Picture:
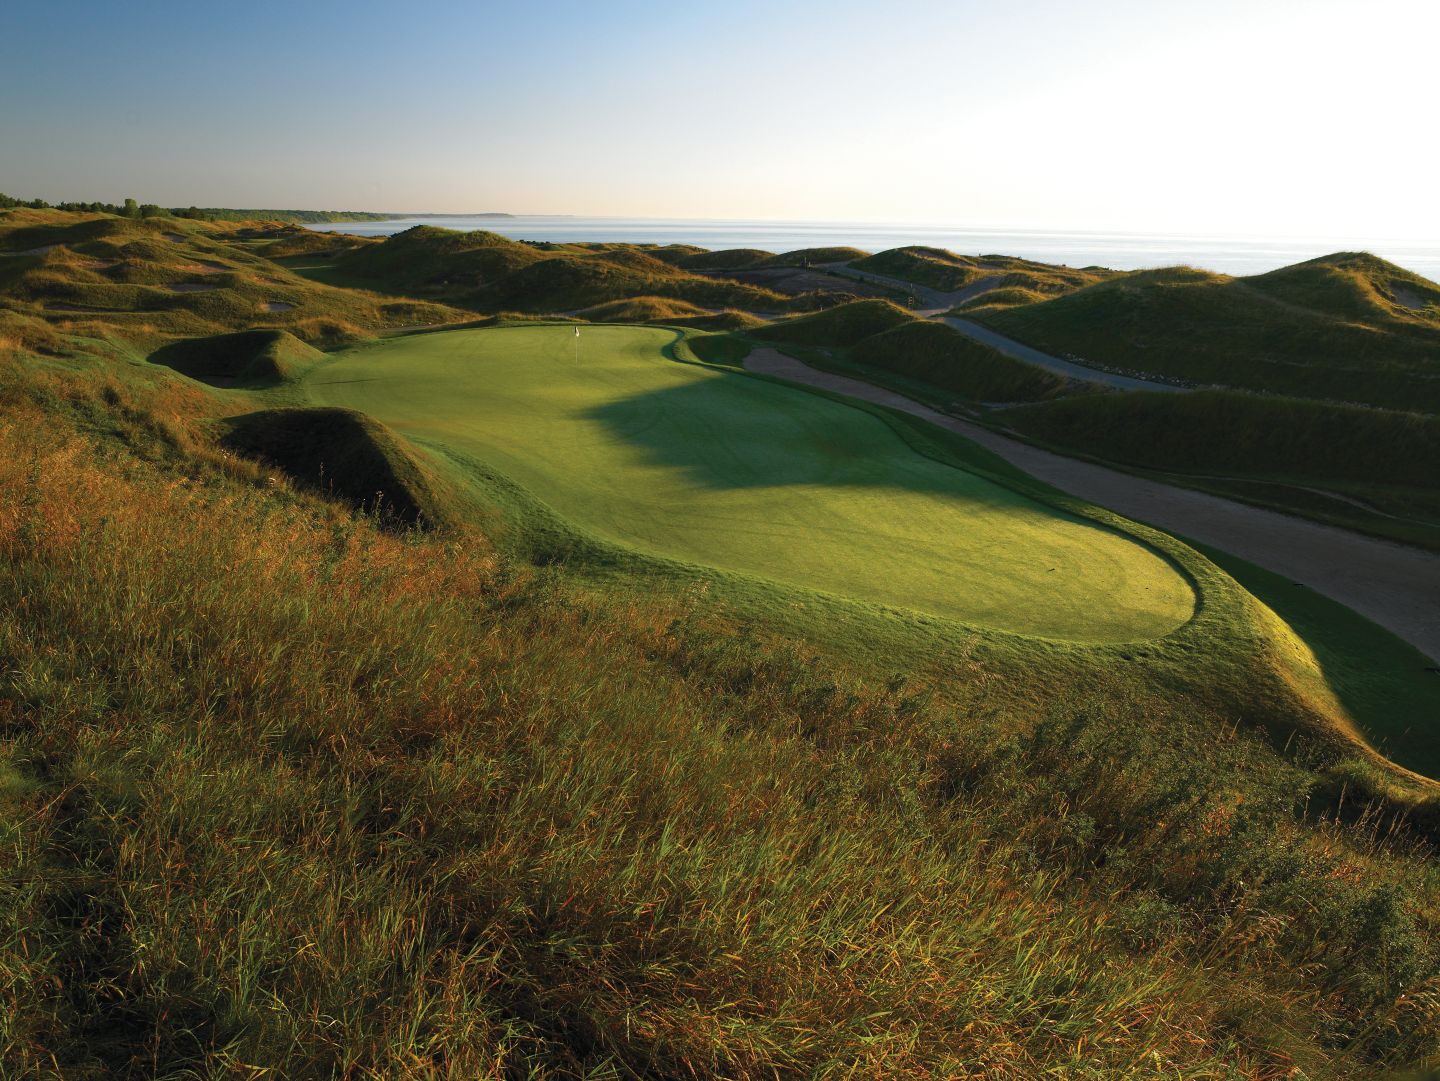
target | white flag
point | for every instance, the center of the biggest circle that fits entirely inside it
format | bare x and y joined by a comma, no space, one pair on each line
577,332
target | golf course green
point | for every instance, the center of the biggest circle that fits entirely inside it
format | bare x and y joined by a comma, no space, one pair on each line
711,467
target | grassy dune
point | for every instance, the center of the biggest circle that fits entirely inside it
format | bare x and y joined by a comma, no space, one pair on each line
160,278
942,359
1333,329
844,325
1245,435
246,357
347,455
487,272
948,272
674,313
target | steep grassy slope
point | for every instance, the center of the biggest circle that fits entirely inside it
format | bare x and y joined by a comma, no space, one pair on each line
426,258
1326,329
948,272
486,272
248,357
350,456
843,325
285,791
675,313
1244,434
939,357
726,259
152,279
640,310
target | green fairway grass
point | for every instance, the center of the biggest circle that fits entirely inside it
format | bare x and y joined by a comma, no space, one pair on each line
683,461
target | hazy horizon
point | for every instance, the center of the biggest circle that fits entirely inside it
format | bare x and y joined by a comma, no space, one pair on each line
1271,118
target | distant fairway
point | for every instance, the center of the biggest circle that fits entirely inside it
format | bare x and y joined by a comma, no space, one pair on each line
740,474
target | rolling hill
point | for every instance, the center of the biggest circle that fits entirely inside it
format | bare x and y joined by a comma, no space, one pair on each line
487,272
948,272
1346,328
156,278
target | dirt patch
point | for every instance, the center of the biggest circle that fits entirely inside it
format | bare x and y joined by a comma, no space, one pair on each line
1396,586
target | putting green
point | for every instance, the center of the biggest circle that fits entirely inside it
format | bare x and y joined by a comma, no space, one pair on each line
738,473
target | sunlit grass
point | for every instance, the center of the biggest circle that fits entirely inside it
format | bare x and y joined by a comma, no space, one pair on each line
287,793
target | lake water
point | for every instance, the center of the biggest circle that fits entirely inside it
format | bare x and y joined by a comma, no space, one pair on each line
1120,251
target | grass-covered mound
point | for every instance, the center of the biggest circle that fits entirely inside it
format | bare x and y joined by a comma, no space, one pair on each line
674,254
150,280
933,267
933,354
349,456
842,325
428,259
674,313
296,240
1358,285
1324,329
729,350
939,269
812,257
726,259
1004,297
1244,435
564,283
640,310
486,272
247,357
722,320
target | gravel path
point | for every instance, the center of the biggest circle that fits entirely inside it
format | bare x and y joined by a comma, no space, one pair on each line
1393,585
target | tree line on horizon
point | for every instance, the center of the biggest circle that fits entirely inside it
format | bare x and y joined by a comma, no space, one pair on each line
130,208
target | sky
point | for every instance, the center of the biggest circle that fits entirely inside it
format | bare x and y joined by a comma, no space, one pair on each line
1222,118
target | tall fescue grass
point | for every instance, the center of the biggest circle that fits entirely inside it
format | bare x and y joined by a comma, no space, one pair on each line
1325,329
283,793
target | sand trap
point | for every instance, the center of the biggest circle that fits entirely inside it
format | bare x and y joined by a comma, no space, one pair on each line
203,266
278,306
1396,586
29,251
175,238
1408,298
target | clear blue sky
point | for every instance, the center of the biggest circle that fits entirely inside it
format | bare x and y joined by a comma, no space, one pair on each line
1286,117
